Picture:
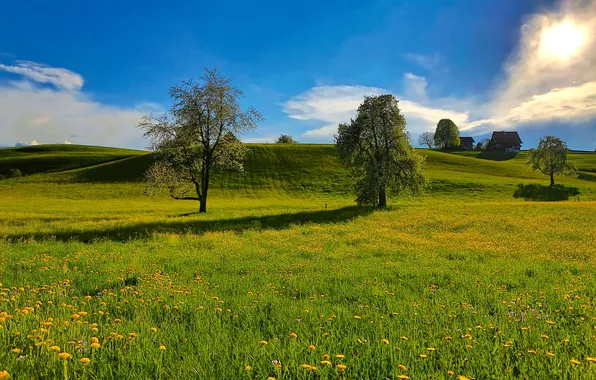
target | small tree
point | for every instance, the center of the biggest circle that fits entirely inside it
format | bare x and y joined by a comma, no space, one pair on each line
285,139
376,150
550,158
447,134
427,138
196,136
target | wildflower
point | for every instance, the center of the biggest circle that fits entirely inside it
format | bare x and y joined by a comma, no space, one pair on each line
293,335
575,361
450,373
404,338
162,348
326,334
94,340
271,378
55,348
544,336
312,347
306,366
461,377
95,345
549,354
65,355
325,362
340,356
4,375
403,377
16,350
423,356
263,342
385,341
591,359
357,317
247,368
402,367
341,367
431,349
154,329
531,351
85,361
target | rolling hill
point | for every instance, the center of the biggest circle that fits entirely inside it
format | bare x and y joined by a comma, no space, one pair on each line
290,169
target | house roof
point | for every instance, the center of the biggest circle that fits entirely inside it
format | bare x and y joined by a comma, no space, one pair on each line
506,137
466,140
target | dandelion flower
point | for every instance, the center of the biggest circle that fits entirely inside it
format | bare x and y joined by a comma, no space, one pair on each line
312,347
247,368
450,373
94,340
575,361
162,348
402,367
85,361
65,355
95,345
431,349
263,342
325,362
461,377
404,338
341,367
293,335
4,375
423,356
591,359
55,348
357,317
385,341
271,378
405,377
340,356
16,350
549,354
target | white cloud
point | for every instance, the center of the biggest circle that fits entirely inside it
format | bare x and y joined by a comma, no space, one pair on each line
433,62
415,86
26,143
338,104
61,78
62,112
67,142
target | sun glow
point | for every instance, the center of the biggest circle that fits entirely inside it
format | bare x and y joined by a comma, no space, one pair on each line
562,40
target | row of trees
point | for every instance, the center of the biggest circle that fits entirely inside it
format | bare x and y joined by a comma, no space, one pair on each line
197,136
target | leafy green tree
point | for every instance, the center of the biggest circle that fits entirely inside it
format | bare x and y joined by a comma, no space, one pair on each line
550,158
447,134
285,139
376,150
427,138
197,136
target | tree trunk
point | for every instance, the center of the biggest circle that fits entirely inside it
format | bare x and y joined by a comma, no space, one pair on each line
205,186
552,179
203,203
382,198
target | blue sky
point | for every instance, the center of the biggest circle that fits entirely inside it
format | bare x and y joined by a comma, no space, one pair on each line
72,72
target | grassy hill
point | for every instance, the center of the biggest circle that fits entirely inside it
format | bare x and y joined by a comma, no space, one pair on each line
301,170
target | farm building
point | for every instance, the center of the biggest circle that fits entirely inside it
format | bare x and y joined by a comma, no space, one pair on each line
466,143
505,141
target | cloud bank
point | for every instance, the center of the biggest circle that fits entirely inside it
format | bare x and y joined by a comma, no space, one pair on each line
45,105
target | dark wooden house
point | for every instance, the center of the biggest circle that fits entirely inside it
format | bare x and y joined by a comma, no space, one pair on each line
505,141
466,143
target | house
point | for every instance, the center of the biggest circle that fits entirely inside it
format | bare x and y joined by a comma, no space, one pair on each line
505,141
466,143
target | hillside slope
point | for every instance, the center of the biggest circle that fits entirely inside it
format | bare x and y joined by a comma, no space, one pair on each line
294,169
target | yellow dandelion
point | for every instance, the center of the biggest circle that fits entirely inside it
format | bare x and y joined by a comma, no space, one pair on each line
340,356
95,345
312,347
85,361
326,356
385,341
293,335
94,340
271,378
404,338
402,367
325,362
16,350
403,377
4,375
55,348
326,334
341,367
154,329
591,359
65,355
247,368
531,351
423,356
575,361
431,349
162,348
357,317
544,336
305,366
549,354
461,377
450,373
263,342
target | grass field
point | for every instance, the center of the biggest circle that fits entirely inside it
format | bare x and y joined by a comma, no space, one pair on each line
286,278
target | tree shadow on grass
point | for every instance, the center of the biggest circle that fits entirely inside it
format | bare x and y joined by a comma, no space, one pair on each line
497,156
536,192
182,225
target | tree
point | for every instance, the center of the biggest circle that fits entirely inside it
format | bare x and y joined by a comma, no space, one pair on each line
285,139
427,138
447,134
376,150
197,136
550,158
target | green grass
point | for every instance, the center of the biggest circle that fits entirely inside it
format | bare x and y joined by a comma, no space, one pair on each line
498,287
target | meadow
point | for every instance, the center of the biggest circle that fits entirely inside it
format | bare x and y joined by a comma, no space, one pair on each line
286,278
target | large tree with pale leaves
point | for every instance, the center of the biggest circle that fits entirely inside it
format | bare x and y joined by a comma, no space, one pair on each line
376,150
550,158
197,136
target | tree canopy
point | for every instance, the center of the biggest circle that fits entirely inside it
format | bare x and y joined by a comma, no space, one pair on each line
550,158
446,135
196,136
427,138
285,139
376,150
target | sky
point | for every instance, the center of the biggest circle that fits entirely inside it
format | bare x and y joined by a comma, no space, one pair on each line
86,72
